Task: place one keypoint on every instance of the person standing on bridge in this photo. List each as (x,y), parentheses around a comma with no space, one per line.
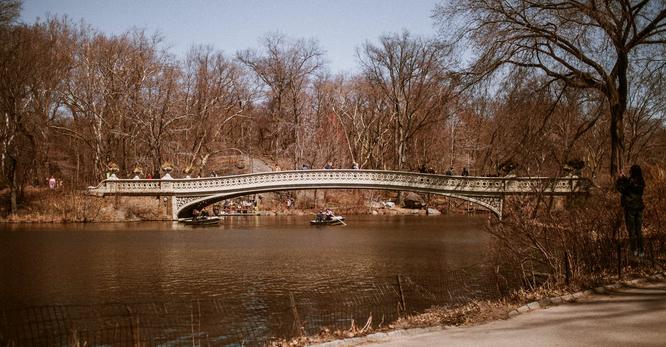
(631,189)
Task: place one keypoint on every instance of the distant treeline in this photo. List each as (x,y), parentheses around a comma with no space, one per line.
(496,94)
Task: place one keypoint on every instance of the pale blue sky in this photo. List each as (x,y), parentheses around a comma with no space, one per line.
(231,25)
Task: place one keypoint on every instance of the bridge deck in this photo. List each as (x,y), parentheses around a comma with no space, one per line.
(486,191)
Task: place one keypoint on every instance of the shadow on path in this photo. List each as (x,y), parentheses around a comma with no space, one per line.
(633,315)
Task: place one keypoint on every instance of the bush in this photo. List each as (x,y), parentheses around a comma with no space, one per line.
(579,246)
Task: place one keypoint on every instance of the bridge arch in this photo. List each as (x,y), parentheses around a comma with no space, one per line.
(488,192)
(188,204)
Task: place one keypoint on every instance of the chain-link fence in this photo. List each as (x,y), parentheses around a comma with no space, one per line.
(222,321)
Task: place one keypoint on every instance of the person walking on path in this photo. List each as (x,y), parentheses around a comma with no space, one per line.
(631,189)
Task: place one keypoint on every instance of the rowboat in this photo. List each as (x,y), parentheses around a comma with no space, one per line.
(201,221)
(334,220)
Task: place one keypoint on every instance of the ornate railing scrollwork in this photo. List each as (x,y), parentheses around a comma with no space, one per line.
(182,201)
(486,191)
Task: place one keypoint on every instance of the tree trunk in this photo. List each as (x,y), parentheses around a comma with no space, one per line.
(617,141)
(13,188)
(618,105)
(12,199)
(400,199)
(157,161)
(97,129)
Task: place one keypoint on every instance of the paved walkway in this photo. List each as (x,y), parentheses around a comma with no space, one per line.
(633,315)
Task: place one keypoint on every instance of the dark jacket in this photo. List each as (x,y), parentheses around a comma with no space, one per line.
(632,192)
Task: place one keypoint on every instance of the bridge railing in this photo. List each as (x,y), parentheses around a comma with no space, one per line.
(304,179)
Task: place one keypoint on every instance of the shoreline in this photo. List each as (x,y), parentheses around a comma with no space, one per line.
(473,314)
(39,218)
(42,205)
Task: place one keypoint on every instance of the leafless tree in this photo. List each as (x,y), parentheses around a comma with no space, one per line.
(155,104)
(285,69)
(647,114)
(9,12)
(95,93)
(33,62)
(592,44)
(216,93)
(362,116)
(408,74)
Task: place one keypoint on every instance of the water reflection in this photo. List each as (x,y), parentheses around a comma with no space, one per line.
(243,269)
(243,258)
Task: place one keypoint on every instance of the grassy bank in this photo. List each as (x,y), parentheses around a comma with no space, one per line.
(43,205)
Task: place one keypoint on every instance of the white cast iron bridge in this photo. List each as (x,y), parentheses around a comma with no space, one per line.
(186,194)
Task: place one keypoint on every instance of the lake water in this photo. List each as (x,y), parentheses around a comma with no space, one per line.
(250,265)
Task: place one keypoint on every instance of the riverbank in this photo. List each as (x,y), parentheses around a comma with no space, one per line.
(43,205)
(625,313)
(458,325)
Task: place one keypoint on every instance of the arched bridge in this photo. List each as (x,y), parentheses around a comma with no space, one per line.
(185,194)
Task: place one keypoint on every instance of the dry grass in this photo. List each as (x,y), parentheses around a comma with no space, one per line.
(42,205)
(468,314)
(475,312)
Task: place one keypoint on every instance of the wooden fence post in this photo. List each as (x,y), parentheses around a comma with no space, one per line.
(619,260)
(402,295)
(133,328)
(567,268)
(497,281)
(298,326)
(654,266)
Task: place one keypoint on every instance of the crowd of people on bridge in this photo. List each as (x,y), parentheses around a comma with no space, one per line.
(328,166)
(448,172)
(422,169)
